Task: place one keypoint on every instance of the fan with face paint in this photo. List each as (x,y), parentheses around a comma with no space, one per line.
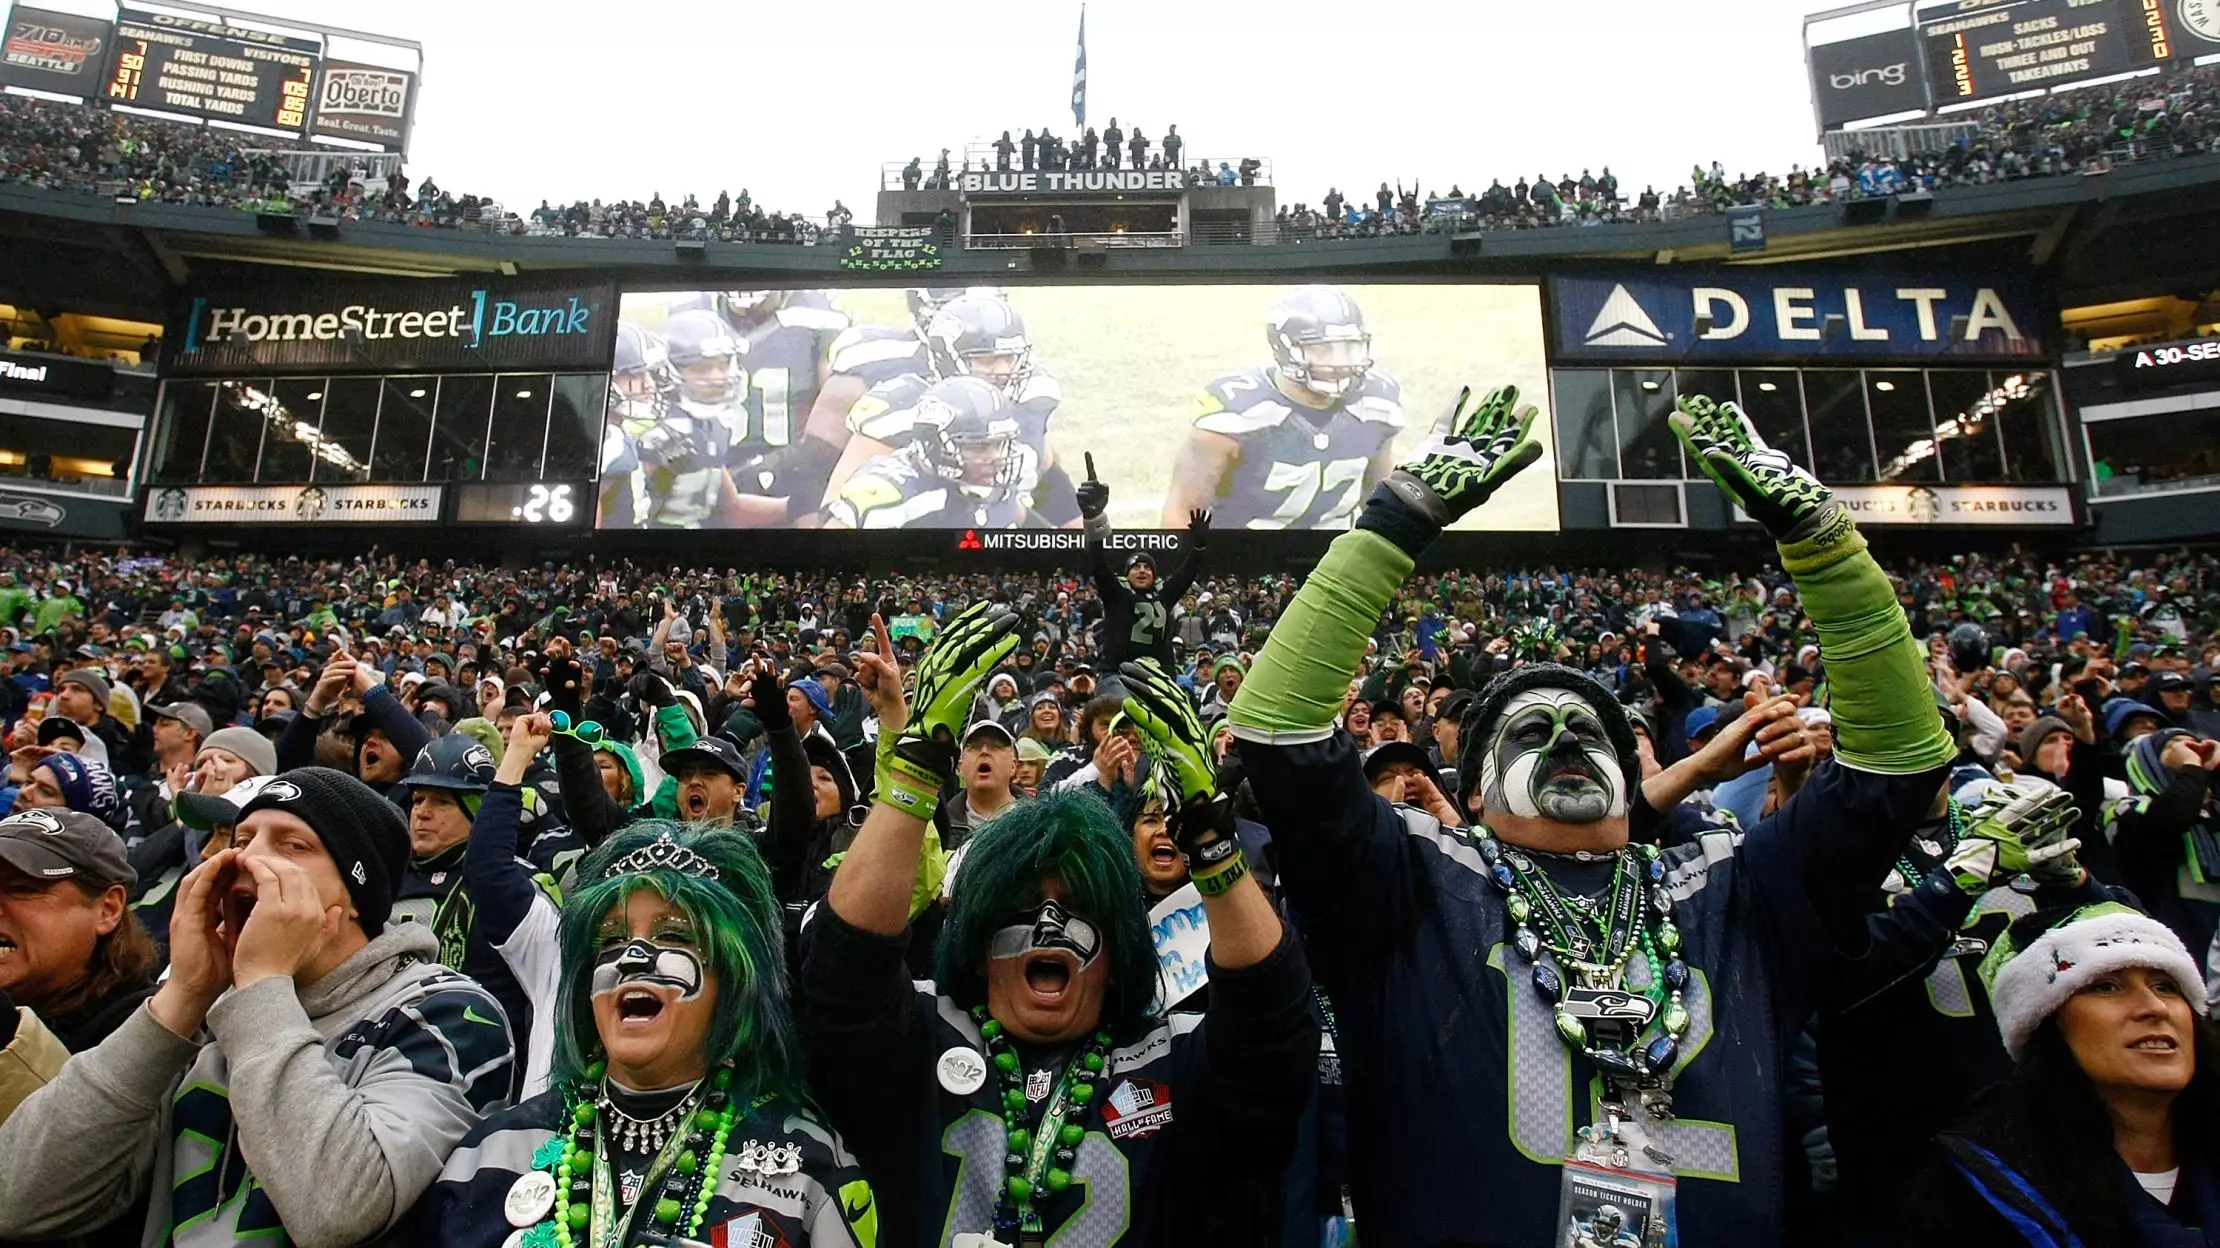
(1551,758)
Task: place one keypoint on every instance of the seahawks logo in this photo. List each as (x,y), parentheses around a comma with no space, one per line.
(281,791)
(478,758)
(36,819)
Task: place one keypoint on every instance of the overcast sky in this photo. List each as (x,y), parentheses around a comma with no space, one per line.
(803,102)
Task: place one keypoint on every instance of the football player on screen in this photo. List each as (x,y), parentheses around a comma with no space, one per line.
(681,445)
(786,341)
(980,336)
(960,469)
(860,357)
(642,385)
(1296,444)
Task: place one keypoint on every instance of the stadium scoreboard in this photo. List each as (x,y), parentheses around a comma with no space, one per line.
(212,70)
(1978,50)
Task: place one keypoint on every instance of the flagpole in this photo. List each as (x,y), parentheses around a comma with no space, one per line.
(1079,75)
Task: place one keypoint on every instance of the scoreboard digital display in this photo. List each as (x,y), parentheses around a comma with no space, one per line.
(211,70)
(1977,51)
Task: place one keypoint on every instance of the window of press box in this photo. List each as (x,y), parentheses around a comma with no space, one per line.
(294,418)
(517,441)
(574,426)
(67,454)
(404,428)
(348,431)
(459,432)
(181,432)
(1849,426)
(235,430)
(2154,454)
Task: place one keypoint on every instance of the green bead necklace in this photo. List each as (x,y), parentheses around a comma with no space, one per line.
(1059,1136)
(1954,821)
(688,1179)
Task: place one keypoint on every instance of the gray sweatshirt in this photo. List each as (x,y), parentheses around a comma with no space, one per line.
(325,1112)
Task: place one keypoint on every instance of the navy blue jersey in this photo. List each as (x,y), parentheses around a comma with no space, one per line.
(1300,467)
(1187,1145)
(875,353)
(888,414)
(785,355)
(900,491)
(1462,1099)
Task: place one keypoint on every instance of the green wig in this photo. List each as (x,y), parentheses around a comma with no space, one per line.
(1077,838)
(738,921)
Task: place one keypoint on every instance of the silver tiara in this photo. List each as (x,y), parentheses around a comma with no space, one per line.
(664,853)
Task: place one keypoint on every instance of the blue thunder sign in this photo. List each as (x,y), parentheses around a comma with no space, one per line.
(1775,313)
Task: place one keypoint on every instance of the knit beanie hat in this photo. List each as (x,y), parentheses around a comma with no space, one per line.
(2033,736)
(250,746)
(1477,730)
(2047,957)
(87,787)
(363,832)
(2147,773)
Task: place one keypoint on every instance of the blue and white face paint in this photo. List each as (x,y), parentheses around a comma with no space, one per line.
(1550,758)
(645,965)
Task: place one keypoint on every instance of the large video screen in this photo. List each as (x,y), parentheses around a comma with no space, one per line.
(1275,407)
(209,69)
(1977,51)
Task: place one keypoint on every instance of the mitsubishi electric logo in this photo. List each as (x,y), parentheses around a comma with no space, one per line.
(1062,539)
(1623,323)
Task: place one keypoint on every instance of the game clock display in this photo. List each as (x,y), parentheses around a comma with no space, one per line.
(548,504)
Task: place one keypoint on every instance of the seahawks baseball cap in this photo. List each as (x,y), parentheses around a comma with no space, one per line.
(990,728)
(51,843)
(715,751)
(207,810)
(190,714)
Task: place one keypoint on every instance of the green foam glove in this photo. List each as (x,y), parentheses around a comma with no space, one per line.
(1166,716)
(914,764)
(2016,830)
(1762,481)
(1472,452)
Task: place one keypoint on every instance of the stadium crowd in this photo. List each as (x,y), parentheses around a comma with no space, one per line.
(71,147)
(646,904)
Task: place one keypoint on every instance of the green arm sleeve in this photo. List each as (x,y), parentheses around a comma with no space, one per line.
(1884,709)
(674,727)
(665,801)
(1294,691)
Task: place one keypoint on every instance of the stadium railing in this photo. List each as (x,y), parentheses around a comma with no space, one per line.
(1076,241)
(981,160)
(1922,139)
(311,169)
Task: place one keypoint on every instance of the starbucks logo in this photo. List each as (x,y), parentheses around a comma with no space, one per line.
(310,504)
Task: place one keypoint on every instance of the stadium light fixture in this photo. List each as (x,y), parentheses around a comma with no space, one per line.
(1884,386)
(416,394)
(1767,386)
(313,396)
(524,394)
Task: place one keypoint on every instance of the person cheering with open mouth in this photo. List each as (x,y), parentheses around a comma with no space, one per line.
(676,1106)
(1041,1058)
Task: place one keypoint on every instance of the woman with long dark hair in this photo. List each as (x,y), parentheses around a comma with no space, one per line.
(2104,1135)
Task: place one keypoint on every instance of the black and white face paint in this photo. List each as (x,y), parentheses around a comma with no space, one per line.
(645,964)
(1551,759)
(1048,927)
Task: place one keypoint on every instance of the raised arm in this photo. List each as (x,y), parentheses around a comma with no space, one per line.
(917,753)
(1837,837)
(1342,849)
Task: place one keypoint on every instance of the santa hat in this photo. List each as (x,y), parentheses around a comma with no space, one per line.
(2045,958)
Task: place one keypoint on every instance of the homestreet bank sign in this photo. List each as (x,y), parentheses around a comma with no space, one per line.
(393,325)
(1776,312)
(1095,181)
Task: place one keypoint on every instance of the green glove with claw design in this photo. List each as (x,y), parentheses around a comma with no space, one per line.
(1203,823)
(915,763)
(1476,448)
(1762,481)
(2015,830)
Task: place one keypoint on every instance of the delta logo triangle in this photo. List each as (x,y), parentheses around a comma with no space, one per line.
(970,541)
(1623,323)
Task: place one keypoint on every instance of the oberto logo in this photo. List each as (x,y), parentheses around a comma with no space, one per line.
(1621,322)
(1892,75)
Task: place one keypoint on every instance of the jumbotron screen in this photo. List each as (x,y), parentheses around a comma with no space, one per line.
(1275,407)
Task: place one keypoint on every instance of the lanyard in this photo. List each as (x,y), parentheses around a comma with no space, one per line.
(451,921)
(1044,1144)
(612,1224)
